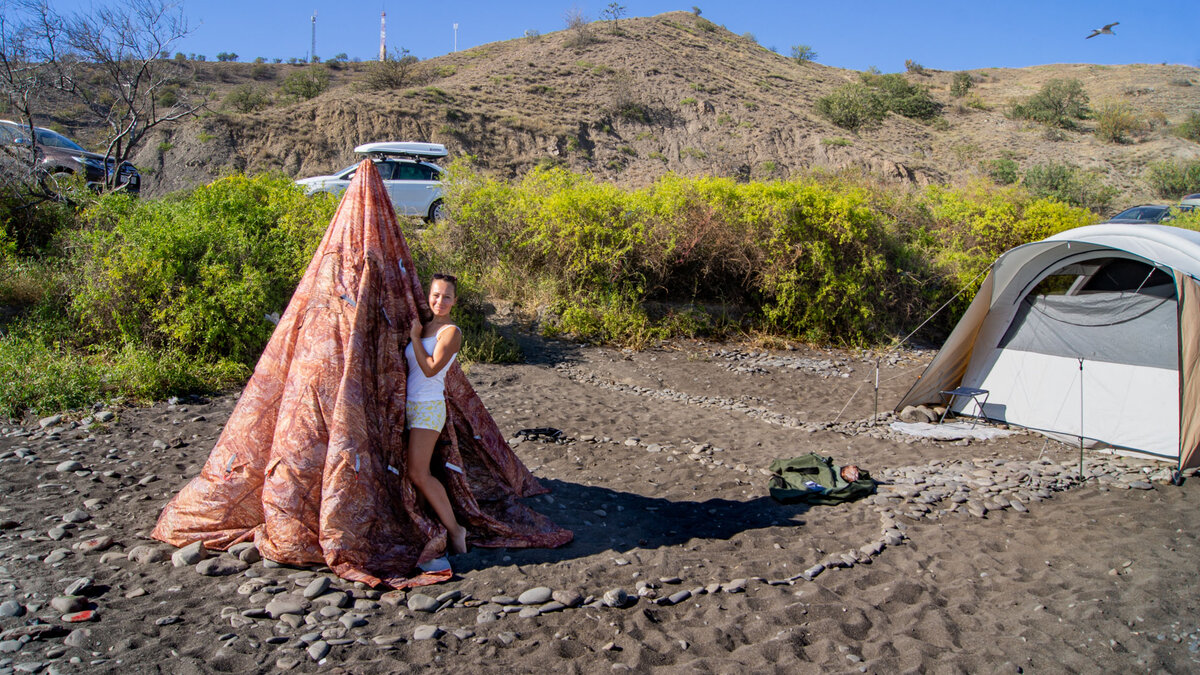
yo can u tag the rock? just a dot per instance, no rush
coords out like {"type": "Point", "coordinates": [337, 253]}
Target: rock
{"type": "Point", "coordinates": [529, 612]}
{"type": "Point", "coordinates": [1140, 485]}
{"type": "Point", "coordinates": [249, 555]}
{"type": "Point", "coordinates": [112, 557]}
{"type": "Point", "coordinates": [78, 586]}
{"type": "Point", "coordinates": [104, 416]}
{"type": "Point", "coordinates": [168, 620]}
{"type": "Point", "coordinates": [146, 554]}
{"type": "Point", "coordinates": [101, 543]}
{"type": "Point", "coordinates": [189, 555]}
{"type": "Point", "coordinates": [80, 638]}
{"type": "Point", "coordinates": [352, 621]}
{"type": "Point", "coordinates": [552, 606]}
{"type": "Point", "coordinates": [57, 533]}
{"type": "Point", "coordinates": [69, 466]}
{"type": "Point", "coordinates": [419, 602]}
{"type": "Point", "coordinates": [287, 662]}
{"type": "Point", "coordinates": [11, 608]}
{"type": "Point", "coordinates": [221, 567]}
{"type": "Point", "coordinates": [49, 421]}
{"type": "Point", "coordinates": [913, 414]}
{"type": "Point", "coordinates": [464, 633]}
{"type": "Point", "coordinates": [316, 587]}
{"type": "Point", "coordinates": [736, 586]}
{"type": "Point", "coordinates": [386, 640]}
{"type": "Point", "coordinates": [427, 632]}
{"type": "Point", "coordinates": [812, 572]}
{"type": "Point", "coordinates": [568, 598]}
{"type": "Point", "coordinates": [535, 596]}
{"type": "Point", "coordinates": [79, 617]}
{"type": "Point", "coordinates": [318, 650]}
{"type": "Point", "coordinates": [11, 646]}
{"type": "Point", "coordinates": [677, 597]}
{"type": "Point", "coordinates": [503, 600]}
{"type": "Point", "coordinates": [392, 598]}
{"type": "Point", "coordinates": [616, 597]}
{"type": "Point", "coordinates": [77, 516]}
{"type": "Point", "coordinates": [68, 604]}
{"type": "Point", "coordinates": [286, 604]}
{"type": "Point", "coordinates": [449, 596]}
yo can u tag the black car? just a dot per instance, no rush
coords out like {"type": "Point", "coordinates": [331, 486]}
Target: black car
{"type": "Point", "coordinates": [1145, 214]}
{"type": "Point", "coordinates": [58, 155]}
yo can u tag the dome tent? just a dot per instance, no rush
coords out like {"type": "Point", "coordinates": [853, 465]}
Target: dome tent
{"type": "Point", "coordinates": [311, 464]}
{"type": "Point", "coordinates": [1094, 333]}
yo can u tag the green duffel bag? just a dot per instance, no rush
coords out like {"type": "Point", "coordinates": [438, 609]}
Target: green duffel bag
{"type": "Point", "coordinates": [814, 479]}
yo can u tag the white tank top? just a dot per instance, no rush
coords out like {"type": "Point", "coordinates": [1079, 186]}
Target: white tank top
{"type": "Point", "coordinates": [420, 387]}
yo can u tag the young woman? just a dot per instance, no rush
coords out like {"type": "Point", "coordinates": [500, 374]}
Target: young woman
{"type": "Point", "coordinates": [432, 349]}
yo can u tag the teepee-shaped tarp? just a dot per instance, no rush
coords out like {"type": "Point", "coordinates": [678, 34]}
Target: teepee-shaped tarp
{"type": "Point", "coordinates": [311, 463]}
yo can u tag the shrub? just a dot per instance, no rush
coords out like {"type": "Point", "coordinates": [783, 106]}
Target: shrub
{"type": "Point", "coordinates": [961, 84]}
{"type": "Point", "coordinates": [305, 84]}
{"type": "Point", "coordinates": [1003, 171]}
{"type": "Point", "coordinates": [1189, 128]}
{"type": "Point", "coordinates": [401, 69]}
{"type": "Point", "coordinates": [914, 67]}
{"type": "Point", "coordinates": [1173, 178]}
{"type": "Point", "coordinates": [902, 97]}
{"type": "Point", "coordinates": [803, 53]}
{"type": "Point", "coordinates": [1116, 120]}
{"type": "Point", "coordinates": [1068, 184]}
{"type": "Point", "coordinates": [247, 98]}
{"type": "Point", "coordinates": [852, 106]}
{"type": "Point", "coordinates": [1058, 104]}
{"type": "Point", "coordinates": [196, 275]}
{"type": "Point", "coordinates": [261, 71]}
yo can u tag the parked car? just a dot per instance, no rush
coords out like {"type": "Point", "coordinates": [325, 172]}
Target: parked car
{"type": "Point", "coordinates": [58, 155]}
{"type": "Point", "coordinates": [1190, 200]}
{"type": "Point", "coordinates": [413, 182]}
{"type": "Point", "coordinates": [1147, 213]}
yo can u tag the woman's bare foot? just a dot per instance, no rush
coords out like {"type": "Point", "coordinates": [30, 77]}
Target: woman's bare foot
{"type": "Point", "coordinates": [458, 540]}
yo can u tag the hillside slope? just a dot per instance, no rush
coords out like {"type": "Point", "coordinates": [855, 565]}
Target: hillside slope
{"type": "Point", "coordinates": [672, 93]}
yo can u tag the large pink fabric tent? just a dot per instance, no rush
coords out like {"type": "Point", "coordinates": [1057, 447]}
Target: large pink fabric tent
{"type": "Point", "coordinates": [311, 464]}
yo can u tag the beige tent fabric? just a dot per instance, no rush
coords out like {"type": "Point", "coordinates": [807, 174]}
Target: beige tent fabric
{"type": "Point", "coordinates": [1189, 370]}
{"type": "Point", "coordinates": [311, 464]}
{"type": "Point", "coordinates": [947, 368]}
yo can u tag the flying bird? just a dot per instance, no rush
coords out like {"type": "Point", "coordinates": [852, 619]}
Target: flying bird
{"type": "Point", "coordinates": [1107, 30]}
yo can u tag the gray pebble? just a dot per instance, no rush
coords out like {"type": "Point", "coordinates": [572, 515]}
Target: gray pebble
{"type": "Point", "coordinates": [168, 620]}
{"type": "Point", "coordinates": [568, 598]}
{"type": "Point", "coordinates": [69, 604]}
{"type": "Point", "coordinates": [529, 612]}
{"type": "Point", "coordinates": [68, 466]}
{"type": "Point", "coordinates": [221, 567]}
{"type": "Point", "coordinates": [316, 587]}
{"type": "Point", "coordinates": [536, 596]}
{"type": "Point", "coordinates": [145, 554]}
{"type": "Point", "coordinates": [10, 646]}
{"type": "Point", "coordinates": [318, 650]}
{"type": "Point", "coordinates": [286, 604]}
{"type": "Point", "coordinates": [736, 586]}
{"type": "Point", "coordinates": [419, 602]}
{"type": "Point", "coordinates": [80, 638]}
{"type": "Point", "coordinates": [616, 597]}
{"type": "Point", "coordinates": [78, 586]}
{"type": "Point", "coordinates": [427, 632]}
{"type": "Point", "coordinates": [77, 516]}
{"type": "Point", "coordinates": [104, 416]}
{"type": "Point", "coordinates": [189, 555]}
{"type": "Point", "coordinates": [11, 608]}
{"type": "Point", "coordinates": [352, 621]}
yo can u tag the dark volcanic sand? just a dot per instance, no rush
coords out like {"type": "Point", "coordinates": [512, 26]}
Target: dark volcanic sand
{"type": "Point", "coordinates": [1092, 578]}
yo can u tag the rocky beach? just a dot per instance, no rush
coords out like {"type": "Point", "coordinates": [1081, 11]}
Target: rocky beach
{"type": "Point", "coordinates": [974, 556]}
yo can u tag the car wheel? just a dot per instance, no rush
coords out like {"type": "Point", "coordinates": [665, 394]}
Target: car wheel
{"type": "Point", "coordinates": [437, 212]}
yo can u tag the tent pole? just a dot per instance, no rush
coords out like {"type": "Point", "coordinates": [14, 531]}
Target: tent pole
{"type": "Point", "coordinates": [1081, 476]}
{"type": "Point", "coordinates": [874, 418]}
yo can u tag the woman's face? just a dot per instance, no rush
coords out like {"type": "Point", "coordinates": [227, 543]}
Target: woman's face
{"type": "Point", "coordinates": [441, 297]}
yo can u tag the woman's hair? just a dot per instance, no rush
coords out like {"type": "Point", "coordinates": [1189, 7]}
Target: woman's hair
{"type": "Point", "coordinates": [448, 278]}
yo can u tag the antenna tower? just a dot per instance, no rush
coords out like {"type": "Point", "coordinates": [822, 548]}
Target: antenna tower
{"type": "Point", "coordinates": [312, 56]}
{"type": "Point", "coordinates": [383, 36]}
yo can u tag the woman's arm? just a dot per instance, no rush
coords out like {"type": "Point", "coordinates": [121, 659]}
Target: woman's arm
{"type": "Point", "coordinates": [445, 348]}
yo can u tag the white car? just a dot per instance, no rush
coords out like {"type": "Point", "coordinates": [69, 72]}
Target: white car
{"type": "Point", "coordinates": [413, 183]}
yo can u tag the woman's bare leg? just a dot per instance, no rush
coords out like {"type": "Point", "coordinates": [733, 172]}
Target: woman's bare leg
{"type": "Point", "coordinates": [420, 451]}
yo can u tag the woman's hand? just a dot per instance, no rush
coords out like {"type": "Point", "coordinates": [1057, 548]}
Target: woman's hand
{"type": "Point", "coordinates": [416, 330]}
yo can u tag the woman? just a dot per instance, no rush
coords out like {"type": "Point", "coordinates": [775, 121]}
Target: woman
{"type": "Point", "coordinates": [431, 351]}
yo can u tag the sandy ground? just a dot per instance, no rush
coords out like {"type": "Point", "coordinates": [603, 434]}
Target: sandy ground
{"type": "Point", "coordinates": [661, 483]}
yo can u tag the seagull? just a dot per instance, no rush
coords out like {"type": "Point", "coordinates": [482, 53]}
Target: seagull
{"type": "Point", "coordinates": [1107, 30]}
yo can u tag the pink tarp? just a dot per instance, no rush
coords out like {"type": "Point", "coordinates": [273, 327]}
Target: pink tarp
{"type": "Point", "coordinates": [311, 464]}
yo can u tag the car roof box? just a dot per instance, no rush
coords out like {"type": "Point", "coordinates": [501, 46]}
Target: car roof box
{"type": "Point", "coordinates": [402, 148]}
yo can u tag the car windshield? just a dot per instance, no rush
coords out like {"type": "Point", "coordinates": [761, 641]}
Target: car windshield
{"type": "Point", "coordinates": [1151, 213]}
{"type": "Point", "coordinates": [56, 140]}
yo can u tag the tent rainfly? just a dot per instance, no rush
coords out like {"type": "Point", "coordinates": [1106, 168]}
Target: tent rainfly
{"type": "Point", "coordinates": [1093, 333]}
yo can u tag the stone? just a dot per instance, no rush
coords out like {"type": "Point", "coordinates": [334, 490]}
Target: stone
{"type": "Point", "coordinates": [77, 516]}
{"type": "Point", "coordinates": [536, 596]}
{"type": "Point", "coordinates": [552, 606]}
{"type": "Point", "coordinates": [318, 650]}
{"type": "Point", "coordinates": [352, 621]}
{"type": "Point", "coordinates": [10, 646]}
{"type": "Point", "coordinates": [812, 572]}
{"type": "Point", "coordinates": [249, 555]}
{"type": "Point", "coordinates": [78, 586]}
{"type": "Point", "coordinates": [616, 597]}
{"type": "Point", "coordinates": [419, 602]}
{"type": "Point", "coordinates": [80, 638]}
{"type": "Point", "coordinates": [1140, 485]}
{"type": "Point", "coordinates": [427, 632]}
{"type": "Point", "coordinates": [528, 612]}
{"type": "Point", "coordinates": [387, 640]}
{"type": "Point", "coordinates": [68, 604]}
{"type": "Point", "coordinates": [49, 421]}
{"type": "Point", "coordinates": [221, 567]}
{"type": "Point", "coordinates": [736, 586]}
{"type": "Point", "coordinates": [69, 466]}
{"type": "Point", "coordinates": [146, 554]}
{"type": "Point", "coordinates": [316, 587]}
{"type": "Point", "coordinates": [168, 620]}
{"type": "Point", "coordinates": [913, 414]}
{"type": "Point", "coordinates": [286, 604]}
{"type": "Point", "coordinates": [79, 617]}
{"type": "Point", "coordinates": [189, 555]}
{"type": "Point", "coordinates": [678, 597]}
{"type": "Point", "coordinates": [568, 598]}
{"type": "Point", "coordinates": [104, 416]}
{"type": "Point", "coordinates": [96, 544]}
{"type": "Point", "coordinates": [11, 608]}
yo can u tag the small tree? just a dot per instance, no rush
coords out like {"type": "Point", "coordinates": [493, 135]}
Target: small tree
{"type": "Point", "coordinates": [577, 23]}
{"type": "Point", "coordinates": [613, 13]}
{"type": "Point", "coordinates": [961, 84]}
{"type": "Point", "coordinates": [1116, 120]}
{"type": "Point", "coordinates": [914, 68]}
{"type": "Point", "coordinates": [401, 69]}
{"type": "Point", "coordinates": [227, 56]}
{"type": "Point", "coordinates": [1058, 104]}
{"type": "Point", "coordinates": [803, 53]}
{"type": "Point", "coordinates": [305, 84]}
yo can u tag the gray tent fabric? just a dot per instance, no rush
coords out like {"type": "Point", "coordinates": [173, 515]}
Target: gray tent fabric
{"type": "Point", "coordinates": [1116, 327]}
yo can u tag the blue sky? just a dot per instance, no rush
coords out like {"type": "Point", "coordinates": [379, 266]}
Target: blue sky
{"type": "Point", "coordinates": [942, 34]}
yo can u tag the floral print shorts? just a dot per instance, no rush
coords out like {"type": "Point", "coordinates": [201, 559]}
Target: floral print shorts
{"type": "Point", "coordinates": [425, 414]}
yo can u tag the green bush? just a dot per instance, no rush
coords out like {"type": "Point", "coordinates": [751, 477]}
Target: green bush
{"type": "Point", "coordinates": [1003, 171]}
{"type": "Point", "coordinates": [902, 97]}
{"type": "Point", "coordinates": [1116, 120]}
{"type": "Point", "coordinates": [196, 275]}
{"type": "Point", "coordinates": [1190, 128]}
{"type": "Point", "coordinates": [247, 98]}
{"type": "Point", "coordinates": [1174, 178]}
{"type": "Point", "coordinates": [852, 107]}
{"type": "Point", "coordinates": [307, 83]}
{"type": "Point", "coordinates": [961, 84]}
{"type": "Point", "coordinates": [1069, 184]}
{"type": "Point", "coordinates": [914, 67]}
{"type": "Point", "coordinates": [803, 53]}
{"type": "Point", "coordinates": [1058, 104]}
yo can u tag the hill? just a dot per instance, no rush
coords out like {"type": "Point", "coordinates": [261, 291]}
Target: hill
{"type": "Point", "coordinates": [667, 93]}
